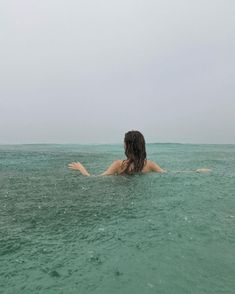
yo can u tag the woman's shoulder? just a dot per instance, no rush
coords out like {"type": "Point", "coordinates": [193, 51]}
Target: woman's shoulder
{"type": "Point", "coordinates": [118, 163]}
{"type": "Point", "coordinates": [153, 166]}
{"type": "Point", "coordinates": [149, 162]}
{"type": "Point", "coordinates": [147, 165]}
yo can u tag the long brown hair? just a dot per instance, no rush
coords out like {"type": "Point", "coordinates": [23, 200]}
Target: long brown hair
{"type": "Point", "coordinates": [135, 152]}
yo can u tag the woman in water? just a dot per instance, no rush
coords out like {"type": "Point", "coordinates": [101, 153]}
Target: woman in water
{"type": "Point", "coordinates": [135, 163]}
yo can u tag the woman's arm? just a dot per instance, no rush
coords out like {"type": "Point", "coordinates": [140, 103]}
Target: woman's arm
{"type": "Point", "coordinates": [112, 169]}
{"type": "Point", "coordinates": [158, 169]}
{"type": "Point", "coordinates": [199, 170]}
{"type": "Point", "coordinates": [155, 167]}
{"type": "Point", "coordinates": [80, 167]}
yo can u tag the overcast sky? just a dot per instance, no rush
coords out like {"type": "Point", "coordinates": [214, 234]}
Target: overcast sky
{"type": "Point", "coordinates": [87, 71]}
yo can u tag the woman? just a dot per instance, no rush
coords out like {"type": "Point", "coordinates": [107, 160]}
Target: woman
{"type": "Point", "coordinates": [136, 161]}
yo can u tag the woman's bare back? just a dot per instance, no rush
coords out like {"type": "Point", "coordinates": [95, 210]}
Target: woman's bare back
{"type": "Point", "coordinates": [149, 166]}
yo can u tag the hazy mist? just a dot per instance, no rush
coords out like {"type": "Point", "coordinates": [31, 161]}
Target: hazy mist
{"type": "Point", "coordinates": [88, 71]}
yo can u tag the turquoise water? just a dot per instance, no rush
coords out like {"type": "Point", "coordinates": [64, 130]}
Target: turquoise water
{"type": "Point", "coordinates": [61, 232]}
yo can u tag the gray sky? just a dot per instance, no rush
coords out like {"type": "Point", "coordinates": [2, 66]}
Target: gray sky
{"type": "Point", "coordinates": [87, 71]}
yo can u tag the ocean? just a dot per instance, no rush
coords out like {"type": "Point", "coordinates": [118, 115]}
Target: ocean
{"type": "Point", "coordinates": [61, 232]}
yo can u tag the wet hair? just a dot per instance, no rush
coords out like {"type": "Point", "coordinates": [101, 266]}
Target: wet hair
{"type": "Point", "coordinates": [135, 152]}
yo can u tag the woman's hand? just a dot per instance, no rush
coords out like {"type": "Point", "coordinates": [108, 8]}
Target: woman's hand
{"type": "Point", "coordinates": [75, 165]}
{"type": "Point", "coordinates": [78, 166]}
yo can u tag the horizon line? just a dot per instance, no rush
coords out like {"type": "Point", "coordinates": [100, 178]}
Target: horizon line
{"type": "Point", "coordinates": [147, 143]}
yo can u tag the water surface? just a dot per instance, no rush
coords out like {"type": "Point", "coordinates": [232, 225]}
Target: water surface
{"type": "Point", "coordinates": [61, 232]}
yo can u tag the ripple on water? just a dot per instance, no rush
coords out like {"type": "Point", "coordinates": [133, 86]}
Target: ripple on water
{"type": "Point", "coordinates": [63, 233]}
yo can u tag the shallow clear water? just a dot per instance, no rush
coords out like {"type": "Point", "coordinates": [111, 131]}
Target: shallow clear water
{"type": "Point", "coordinates": [61, 232]}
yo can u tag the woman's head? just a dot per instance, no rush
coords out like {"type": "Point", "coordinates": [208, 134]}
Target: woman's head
{"type": "Point", "coordinates": [135, 151]}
